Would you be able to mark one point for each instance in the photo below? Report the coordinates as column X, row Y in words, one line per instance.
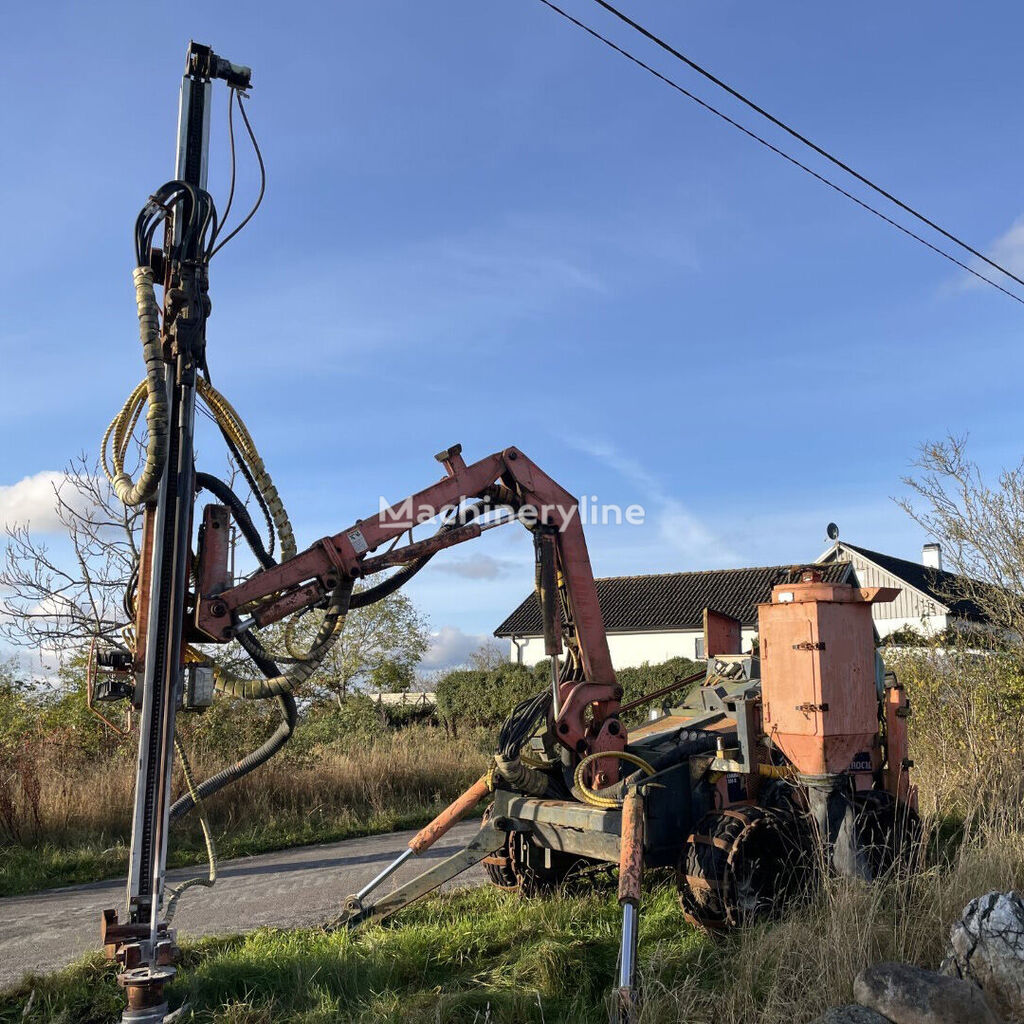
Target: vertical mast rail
column 143, row 944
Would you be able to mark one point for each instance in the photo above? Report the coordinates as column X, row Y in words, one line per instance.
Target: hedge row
column 484, row 697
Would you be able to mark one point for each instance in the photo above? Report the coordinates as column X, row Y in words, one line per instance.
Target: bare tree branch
column 59, row 605
column 981, row 528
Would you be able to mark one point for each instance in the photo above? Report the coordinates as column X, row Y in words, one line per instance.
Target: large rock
column 851, row 1015
column 912, row 995
column 986, row 946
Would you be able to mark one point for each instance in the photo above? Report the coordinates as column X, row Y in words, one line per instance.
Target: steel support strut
column 356, row 911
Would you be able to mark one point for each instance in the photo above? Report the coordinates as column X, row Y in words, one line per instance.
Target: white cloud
column 476, row 567
column 31, row 501
column 451, row 647
column 1007, row 250
column 677, row 527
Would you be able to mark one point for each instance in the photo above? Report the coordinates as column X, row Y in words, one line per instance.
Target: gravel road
column 305, row 886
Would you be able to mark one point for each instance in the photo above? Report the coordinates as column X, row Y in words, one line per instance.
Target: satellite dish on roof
column 833, row 531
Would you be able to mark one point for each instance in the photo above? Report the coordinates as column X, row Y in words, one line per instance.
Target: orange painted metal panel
column 722, row 633
column 818, row 674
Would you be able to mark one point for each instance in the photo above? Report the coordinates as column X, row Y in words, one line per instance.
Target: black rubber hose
column 371, row 595
column 260, row 756
column 257, row 653
column 221, row 490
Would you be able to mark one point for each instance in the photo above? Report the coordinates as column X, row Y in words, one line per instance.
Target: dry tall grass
column 67, row 820
column 489, row 956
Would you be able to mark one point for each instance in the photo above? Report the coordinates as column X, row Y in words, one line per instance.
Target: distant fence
column 406, row 700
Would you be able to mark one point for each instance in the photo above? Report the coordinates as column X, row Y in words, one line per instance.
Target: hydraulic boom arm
column 587, row 696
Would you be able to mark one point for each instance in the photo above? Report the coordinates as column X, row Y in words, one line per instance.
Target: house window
column 698, row 648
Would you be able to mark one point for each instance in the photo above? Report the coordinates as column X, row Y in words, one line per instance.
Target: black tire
column 888, row 833
column 498, row 866
column 520, row 865
column 738, row 867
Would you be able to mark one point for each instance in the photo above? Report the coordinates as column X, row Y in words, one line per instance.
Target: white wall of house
column 629, row 650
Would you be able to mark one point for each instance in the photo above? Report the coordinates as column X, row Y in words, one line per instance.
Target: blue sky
column 481, row 226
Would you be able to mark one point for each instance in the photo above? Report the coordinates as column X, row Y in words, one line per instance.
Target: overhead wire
column 789, row 158
column 779, row 123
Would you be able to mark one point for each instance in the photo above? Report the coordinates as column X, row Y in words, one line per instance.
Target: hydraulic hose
column 235, row 429
column 211, row 850
column 614, row 795
column 219, row 489
column 249, row 763
column 290, row 681
column 371, row 595
column 154, row 392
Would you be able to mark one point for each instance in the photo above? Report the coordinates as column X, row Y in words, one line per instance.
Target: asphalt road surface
column 305, row 886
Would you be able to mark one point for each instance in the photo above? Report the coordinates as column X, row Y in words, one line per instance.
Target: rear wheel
column 888, row 833
column 738, row 867
column 523, row 866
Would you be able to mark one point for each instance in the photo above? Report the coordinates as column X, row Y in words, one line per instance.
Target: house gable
column 926, row 593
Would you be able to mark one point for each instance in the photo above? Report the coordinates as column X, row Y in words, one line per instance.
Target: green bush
column 484, row 697
column 635, row 682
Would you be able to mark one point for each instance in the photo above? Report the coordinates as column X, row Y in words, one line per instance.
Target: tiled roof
column 674, row 600
column 938, row 584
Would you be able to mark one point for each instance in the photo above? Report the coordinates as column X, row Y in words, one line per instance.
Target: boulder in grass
column 986, row 946
column 851, row 1014
column 912, row 995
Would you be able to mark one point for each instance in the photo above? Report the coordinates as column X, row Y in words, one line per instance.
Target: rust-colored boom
column 587, row 716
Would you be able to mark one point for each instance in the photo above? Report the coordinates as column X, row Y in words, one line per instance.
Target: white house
column 653, row 618
column 929, row 599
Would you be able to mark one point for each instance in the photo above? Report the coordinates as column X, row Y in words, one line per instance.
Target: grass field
column 491, row 956
column 333, row 793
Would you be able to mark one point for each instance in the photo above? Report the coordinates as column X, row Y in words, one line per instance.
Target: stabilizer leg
column 631, row 871
column 486, row 842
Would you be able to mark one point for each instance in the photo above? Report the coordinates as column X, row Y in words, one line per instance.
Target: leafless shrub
column 58, row 603
column 981, row 526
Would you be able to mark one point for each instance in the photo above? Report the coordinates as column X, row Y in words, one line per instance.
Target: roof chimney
column 931, row 555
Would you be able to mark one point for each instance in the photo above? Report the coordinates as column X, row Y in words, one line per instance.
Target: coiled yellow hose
column 234, row 426
column 114, row 450
column 288, row 682
column 593, row 797
column 119, row 434
column 152, row 390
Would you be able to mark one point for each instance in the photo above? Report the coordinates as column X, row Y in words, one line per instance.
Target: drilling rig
column 775, row 765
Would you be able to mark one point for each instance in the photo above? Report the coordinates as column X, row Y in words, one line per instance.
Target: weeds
column 491, row 956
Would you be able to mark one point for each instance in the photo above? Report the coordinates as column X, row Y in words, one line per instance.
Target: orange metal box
column 818, row 673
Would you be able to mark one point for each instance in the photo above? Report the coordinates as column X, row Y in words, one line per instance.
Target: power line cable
column 668, row 48
column 786, row 156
